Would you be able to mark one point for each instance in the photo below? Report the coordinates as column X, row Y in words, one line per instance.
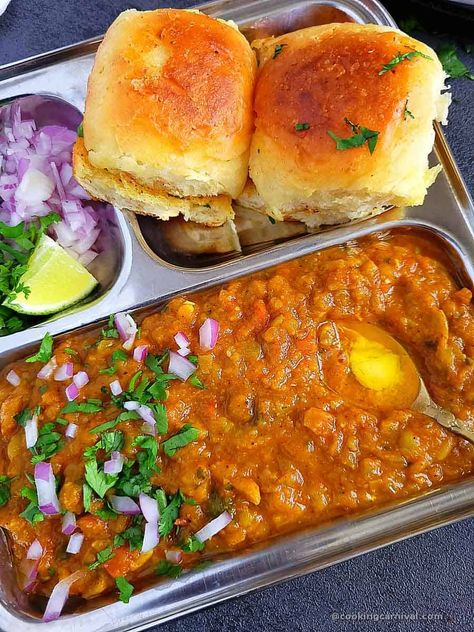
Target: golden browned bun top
column 169, row 84
column 318, row 77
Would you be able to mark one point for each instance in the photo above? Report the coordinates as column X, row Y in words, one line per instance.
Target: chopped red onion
column 115, row 387
column 115, row 464
column 13, row 378
column 71, row 392
column 35, row 551
column 140, row 353
column 131, row 405
column 36, row 179
column 174, row 557
column 68, row 523
column 127, row 329
column 150, row 537
column 208, row 334
column 125, row 505
column 180, row 367
column 213, row 527
column 184, row 351
column 59, row 596
column 146, row 414
column 71, row 430
column 80, row 379
column 29, row 570
column 64, row 372
column 75, row 543
column 45, row 483
column 31, row 431
column 46, row 372
column 149, row 507
column 182, row 340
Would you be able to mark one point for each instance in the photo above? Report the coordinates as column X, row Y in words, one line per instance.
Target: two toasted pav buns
column 336, row 123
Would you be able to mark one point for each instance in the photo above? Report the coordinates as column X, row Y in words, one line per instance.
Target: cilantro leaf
column 80, row 130
column 97, row 479
column 167, row 568
column 110, row 331
column 32, row 513
column 45, row 351
column 125, row 589
column 148, row 454
column 278, row 49
column 133, row 535
column 406, row 112
column 359, row 137
column 187, row 434
column 70, row 351
column 89, row 406
column 102, row 556
column 169, row 512
column 302, row 127
column 86, row 497
column 108, row 442
column 49, row 442
column 5, row 482
column 192, row 545
column 452, row 65
column 127, row 415
column 399, row 58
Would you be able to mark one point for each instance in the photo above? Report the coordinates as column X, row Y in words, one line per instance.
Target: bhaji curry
column 251, row 441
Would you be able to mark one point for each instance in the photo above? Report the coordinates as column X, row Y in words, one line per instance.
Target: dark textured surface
column 431, row 575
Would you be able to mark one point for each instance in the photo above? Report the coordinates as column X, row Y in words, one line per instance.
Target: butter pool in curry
column 209, row 427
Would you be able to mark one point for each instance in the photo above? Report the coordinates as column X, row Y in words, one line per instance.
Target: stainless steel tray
column 144, row 280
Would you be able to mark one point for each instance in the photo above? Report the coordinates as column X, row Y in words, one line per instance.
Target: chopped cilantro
column 49, row 442
column 80, row 130
column 168, row 512
column 271, row 220
column 32, row 513
column 119, row 356
column 192, row 545
column 399, row 58
column 42, row 389
column 134, row 380
column 301, row 127
column 89, row 406
column 131, row 483
column 127, row 415
column 108, row 442
column 125, row 589
column 86, row 497
column 108, row 371
column 97, row 479
column 102, row 557
column 45, row 351
column 452, row 65
column 5, row 482
column 187, row 434
column 70, row 351
column 133, row 535
column 195, row 381
column 25, row 415
column 278, row 49
column 359, row 137
column 406, row 112
column 148, row 454
column 167, row 568
column 110, row 331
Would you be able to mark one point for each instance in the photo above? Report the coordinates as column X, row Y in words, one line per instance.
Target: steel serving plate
column 143, row 279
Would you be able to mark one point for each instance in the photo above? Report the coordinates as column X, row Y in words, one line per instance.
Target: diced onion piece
column 31, row 431
column 150, row 537
column 208, row 334
column 75, row 543
column 174, row 557
column 13, row 378
column 68, row 523
column 146, row 414
column 180, row 367
column 131, row 405
column 184, row 351
column 80, row 379
column 140, row 353
column 64, row 372
column 115, row 464
column 71, row 430
column 127, row 329
column 71, row 392
column 29, row 569
column 59, row 596
column 125, row 505
column 213, row 527
column 46, row 372
column 35, row 551
column 115, row 387
column 45, row 483
column 149, row 507
column 182, row 340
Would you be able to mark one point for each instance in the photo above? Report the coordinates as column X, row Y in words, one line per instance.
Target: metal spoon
column 420, row 400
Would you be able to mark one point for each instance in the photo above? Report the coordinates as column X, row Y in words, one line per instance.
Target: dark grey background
column 431, row 574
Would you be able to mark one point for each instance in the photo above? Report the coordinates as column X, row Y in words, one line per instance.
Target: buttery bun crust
column 169, row 108
column 309, row 82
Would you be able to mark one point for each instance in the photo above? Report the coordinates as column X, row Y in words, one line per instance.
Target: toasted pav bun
column 329, row 82
column 168, row 113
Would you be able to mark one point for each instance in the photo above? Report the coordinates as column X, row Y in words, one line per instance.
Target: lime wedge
column 55, row 279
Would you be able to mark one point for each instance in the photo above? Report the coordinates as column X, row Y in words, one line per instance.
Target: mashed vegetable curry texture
column 254, row 437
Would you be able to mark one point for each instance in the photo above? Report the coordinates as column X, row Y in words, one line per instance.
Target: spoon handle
column 424, row 404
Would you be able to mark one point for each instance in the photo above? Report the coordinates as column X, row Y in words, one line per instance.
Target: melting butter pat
column 373, row 365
